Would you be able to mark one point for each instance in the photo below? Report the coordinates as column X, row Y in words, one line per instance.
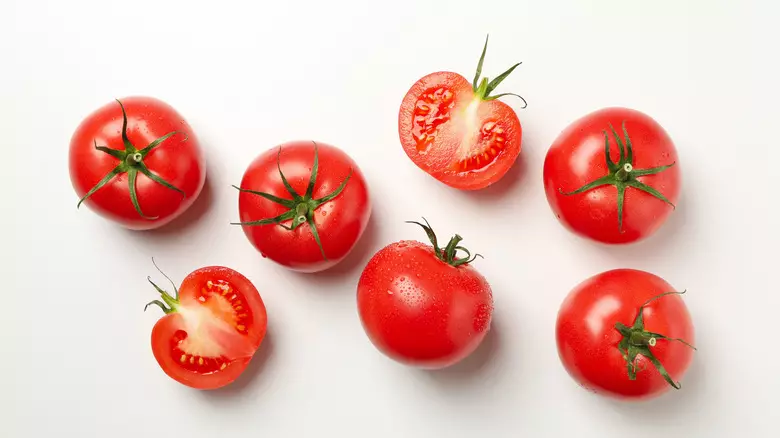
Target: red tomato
column 213, row 325
column 136, row 162
column 304, row 205
column 423, row 306
column 457, row 131
column 625, row 333
column 612, row 186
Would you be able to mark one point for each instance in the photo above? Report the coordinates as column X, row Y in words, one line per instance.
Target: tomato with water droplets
column 613, row 176
column 304, row 205
column 626, row 334
column 136, row 162
column 213, row 324
column 457, row 131
column 422, row 305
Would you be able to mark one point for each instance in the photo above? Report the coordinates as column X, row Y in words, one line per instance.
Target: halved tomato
column 457, row 132
column 213, row 325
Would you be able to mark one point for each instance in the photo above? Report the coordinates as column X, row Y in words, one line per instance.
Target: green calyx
column 131, row 161
column 623, row 174
column 448, row 253
column 483, row 88
column 169, row 304
column 300, row 208
column 637, row 341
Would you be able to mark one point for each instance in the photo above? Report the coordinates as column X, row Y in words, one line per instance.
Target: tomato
column 136, row 162
column 423, row 306
column 457, row 131
column 213, row 325
column 625, row 333
column 304, row 205
column 608, row 185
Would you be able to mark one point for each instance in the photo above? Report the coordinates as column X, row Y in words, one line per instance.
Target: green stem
column 624, row 172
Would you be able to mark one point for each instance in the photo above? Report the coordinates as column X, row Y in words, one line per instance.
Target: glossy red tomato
column 136, row 162
column 213, row 325
column 421, row 305
column 625, row 333
column 304, row 205
column 457, row 131
column 612, row 176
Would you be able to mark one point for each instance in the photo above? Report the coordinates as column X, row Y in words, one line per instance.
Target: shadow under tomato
column 251, row 374
column 354, row 261
column 670, row 406
column 191, row 216
column 499, row 190
column 474, row 368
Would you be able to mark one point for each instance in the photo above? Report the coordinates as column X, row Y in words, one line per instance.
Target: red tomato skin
column 576, row 158
column 587, row 340
column 177, row 161
column 169, row 324
column 438, row 163
column 340, row 222
column 421, row 311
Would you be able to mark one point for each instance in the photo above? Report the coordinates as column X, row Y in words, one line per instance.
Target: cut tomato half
column 457, row 132
column 213, row 325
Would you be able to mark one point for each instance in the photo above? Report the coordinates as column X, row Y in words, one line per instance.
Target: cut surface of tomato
column 213, row 325
column 457, row 132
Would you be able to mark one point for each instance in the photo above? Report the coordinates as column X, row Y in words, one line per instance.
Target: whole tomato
column 136, row 162
column 625, row 333
column 213, row 325
column 421, row 305
column 304, row 205
column 458, row 131
column 608, row 185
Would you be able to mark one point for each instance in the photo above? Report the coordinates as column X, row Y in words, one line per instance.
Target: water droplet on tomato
column 264, row 256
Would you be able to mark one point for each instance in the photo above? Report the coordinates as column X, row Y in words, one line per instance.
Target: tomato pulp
column 136, row 162
column 213, row 325
column 304, row 205
column 457, row 132
column 423, row 306
column 612, row 176
column 625, row 333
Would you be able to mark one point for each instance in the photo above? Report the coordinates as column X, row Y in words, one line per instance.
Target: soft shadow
column 499, row 190
column 672, row 405
column 472, row 369
column 356, row 259
column 192, row 215
column 250, row 374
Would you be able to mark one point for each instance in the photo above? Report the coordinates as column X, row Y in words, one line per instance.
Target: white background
column 75, row 353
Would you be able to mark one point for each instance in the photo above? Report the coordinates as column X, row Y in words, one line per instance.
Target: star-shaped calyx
column 638, row 341
column 301, row 208
column 623, row 174
column 131, row 161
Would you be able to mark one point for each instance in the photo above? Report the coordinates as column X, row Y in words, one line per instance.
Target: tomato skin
column 577, row 157
column 587, row 340
column 241, row 347
column 177, row 161
column 456, row 135
column 340, row 222
column 421, row 311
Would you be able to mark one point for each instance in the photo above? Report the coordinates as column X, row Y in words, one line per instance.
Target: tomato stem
column 301, row 208
column 637, row 341
column 622, row 174
column 131, row 162
column 449, row 253
column 484, row 87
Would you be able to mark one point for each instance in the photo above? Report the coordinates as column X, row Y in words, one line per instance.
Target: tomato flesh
column 214, row 331
column 456, row 137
